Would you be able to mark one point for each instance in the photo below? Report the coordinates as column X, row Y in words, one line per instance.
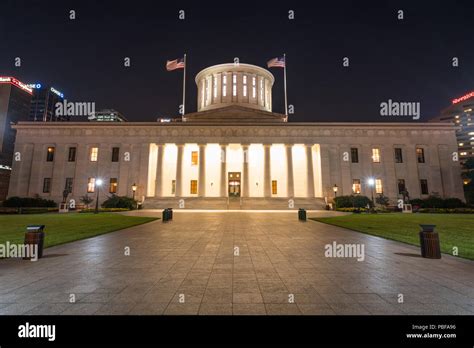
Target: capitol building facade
column 234, row 152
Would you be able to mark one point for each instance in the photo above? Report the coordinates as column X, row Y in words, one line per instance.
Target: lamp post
column 334, row 188
column 134, row 190
column 371, row 183
column 98, row 183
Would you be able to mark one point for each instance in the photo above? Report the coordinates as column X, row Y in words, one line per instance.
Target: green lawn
column 454, row 229
column 63, row 228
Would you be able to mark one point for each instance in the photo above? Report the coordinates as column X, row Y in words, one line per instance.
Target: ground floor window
column 424, row 186
column 401, row 186
column 47, row 185
column 274, row 187
column 378, row 186
column 356, row 186
column 68, row 184
column 91, row 185
column 194, row 187
column 113, row 185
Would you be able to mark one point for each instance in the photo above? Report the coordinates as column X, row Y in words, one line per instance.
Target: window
column 71, row 157
column 401, row 186
column 376, row 155
column 354, row 155
column 173, row 187
column 224, row 85
column 46, row 185
column 208, row 91
column 378, row 186
column 234, row 85
column 424, row 186
column 420, row 155
column 398, row 155
column 356, row 186
column 245, row 85
column 68, row 184
column 203, row 94
column 91, row 185
column 115, row 154
column 194, row 158
column 262, row 101
column 50, row 154
column 254, row 87
column 94, row 154
column 194, row 187
column 274, row 187
column 215, row 86
column 113, row 185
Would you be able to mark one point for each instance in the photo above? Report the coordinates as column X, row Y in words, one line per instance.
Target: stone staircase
column 233, row 203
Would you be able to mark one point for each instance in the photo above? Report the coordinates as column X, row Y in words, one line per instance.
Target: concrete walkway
column 234, row 263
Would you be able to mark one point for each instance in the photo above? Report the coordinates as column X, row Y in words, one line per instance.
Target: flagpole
column 184, row 88
column 284, row 78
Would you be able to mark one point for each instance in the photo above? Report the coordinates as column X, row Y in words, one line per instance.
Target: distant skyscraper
column 15, row 98
column 461, row 114
column 108, row 115
column 43, row 103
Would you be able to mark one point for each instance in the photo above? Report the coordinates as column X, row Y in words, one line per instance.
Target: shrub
column 434, row 202
column 29, row 202
column 382, row 200
column 86, row 200
column 105, row 210
column 115, row 201
column 353, row 201
column 438, row 203
column 450, row 203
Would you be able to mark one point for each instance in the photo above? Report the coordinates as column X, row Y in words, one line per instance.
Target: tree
column 382, row 200
column 86, row 200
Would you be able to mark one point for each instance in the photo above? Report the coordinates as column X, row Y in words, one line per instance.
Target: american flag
column 175, row 64
column 278, row 62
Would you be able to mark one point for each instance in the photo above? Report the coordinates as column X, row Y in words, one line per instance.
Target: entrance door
column 234, row 184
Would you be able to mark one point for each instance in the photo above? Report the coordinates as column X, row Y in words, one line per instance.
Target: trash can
column 35, row 236
column 170, row 212
column 301, row 214
column 429, row 242
column 165, row 215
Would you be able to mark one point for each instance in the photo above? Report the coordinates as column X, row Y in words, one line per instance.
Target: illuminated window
column 50, row 154
column 401, row 186
column 254, row 87
column 173, row 187
column 378, row 186
column 194, row 187
column 224, row 85
column 203, row 93
column 245, row 85
column 354, row 155
column 274, row 187
column 208, row 91
column 91, row 185
column 420, row 155
column 376, row 155
column 215, row 87
column 398, row 155
column 113, row 185
column 234, row 85
column 356, row 186
column 262, row 101
column 424, row 186
column 94, row 154
column 46, row 185
column 194, row 158
column 71, row 155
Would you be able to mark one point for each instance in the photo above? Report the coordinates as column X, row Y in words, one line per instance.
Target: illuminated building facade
column 43, row 104
column 107, row 115
column 234, row 152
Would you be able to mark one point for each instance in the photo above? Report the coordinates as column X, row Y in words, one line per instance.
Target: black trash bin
column 35, row 236
column 429, row 242
column 170, row 212
column 165, row 215
column 301, row 214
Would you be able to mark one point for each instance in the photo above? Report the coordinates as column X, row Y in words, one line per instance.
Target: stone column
column 179, row 170
column 159, row 171
column 202, row 171
column 245, row 174
column 223, row 158
column 267, row 179
column 289, row 170
column 309, row 162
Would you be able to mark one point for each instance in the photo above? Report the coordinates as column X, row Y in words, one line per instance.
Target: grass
column 64, row 228
column 454, row 229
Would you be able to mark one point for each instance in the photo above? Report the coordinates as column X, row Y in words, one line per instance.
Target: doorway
column 234, row 184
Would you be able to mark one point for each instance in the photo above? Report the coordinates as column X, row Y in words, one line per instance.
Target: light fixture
column 134, row 187
column 371, row 181
column 98, row 182
column 334, row 188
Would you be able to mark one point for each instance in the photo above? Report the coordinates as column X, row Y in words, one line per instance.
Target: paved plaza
column 234, row 263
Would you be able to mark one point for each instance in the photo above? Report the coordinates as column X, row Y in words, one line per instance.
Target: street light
column 371, row 183
column 334, row 188
column 134, row 190
column 98, row 183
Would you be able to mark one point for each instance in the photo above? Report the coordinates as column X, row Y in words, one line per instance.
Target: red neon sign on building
column 15, row 82
column 464, row 97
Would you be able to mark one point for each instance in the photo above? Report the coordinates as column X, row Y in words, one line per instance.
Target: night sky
column 402, row 60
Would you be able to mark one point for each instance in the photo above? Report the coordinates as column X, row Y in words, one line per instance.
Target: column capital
column 308, row 145
column 180, row 144
column 267, row 145
column 289, row 145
